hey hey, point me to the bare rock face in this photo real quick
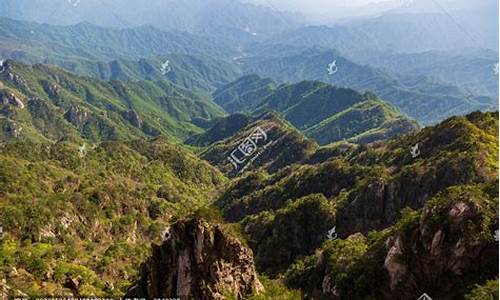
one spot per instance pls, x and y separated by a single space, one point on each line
17 80
198 261
76 115
11 98
438 256
133 117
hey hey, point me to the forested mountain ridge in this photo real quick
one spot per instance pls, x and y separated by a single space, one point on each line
374 196
204 63
45 103
321 111
423 98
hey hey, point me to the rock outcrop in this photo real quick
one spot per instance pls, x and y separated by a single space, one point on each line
76 115
17 80
443 250
51 89
133 117
198 261
11 98
440 256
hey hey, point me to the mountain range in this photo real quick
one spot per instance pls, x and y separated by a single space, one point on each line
47 103
227 149
322 111
200 63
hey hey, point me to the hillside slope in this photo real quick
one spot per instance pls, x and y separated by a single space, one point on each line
265 141
199 72
45 103
321 111
423 98
365 191
80 221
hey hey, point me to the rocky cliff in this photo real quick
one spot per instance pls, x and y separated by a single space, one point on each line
441 250
199 261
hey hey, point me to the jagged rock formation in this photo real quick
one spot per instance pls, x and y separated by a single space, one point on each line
11 98
370 187
440 255
132 116
76 115
17 80
199 261
51 89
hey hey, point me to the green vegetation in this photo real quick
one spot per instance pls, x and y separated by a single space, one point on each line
195 72
90 219
422 98
488 291
365 122
86 42
276 290
358 267
284 144
89 178
292 231
244 94
379 191
323 112
45 103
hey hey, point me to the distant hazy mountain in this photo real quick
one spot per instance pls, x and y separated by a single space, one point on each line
426 87
471 69
402 33
29 41
228 19
189 71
